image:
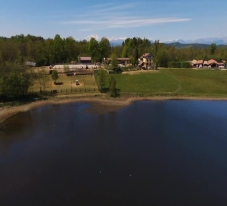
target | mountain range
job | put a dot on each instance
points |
(218, 41)
(202, 41)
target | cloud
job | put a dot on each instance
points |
(104, 8)
(119, 23)
(93, 36)
(110, 16)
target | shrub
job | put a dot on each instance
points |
(185, 65)
(174, 64)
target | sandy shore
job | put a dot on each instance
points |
(99, 105)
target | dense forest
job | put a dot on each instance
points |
(20, 49)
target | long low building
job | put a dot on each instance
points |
(210, 63)
(73, 68)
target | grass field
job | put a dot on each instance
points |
(174, 82)
(164, 82)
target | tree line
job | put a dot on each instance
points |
(43, 52)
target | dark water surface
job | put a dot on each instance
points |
(150, 153)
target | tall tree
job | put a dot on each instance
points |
(54, 75)
(114, 63)
(156, 47)
(101, 79)
(59, 50)
(213, 48)
(104, 48)
(93, 47)
(161, 59)
(71, 49)
(112, 86)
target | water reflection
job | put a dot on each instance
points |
(12, 126)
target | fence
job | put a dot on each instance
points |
(67, 91)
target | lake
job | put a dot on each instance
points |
(149, 153)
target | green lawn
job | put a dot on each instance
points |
(183, 82)
(146, 83)
(199, 82)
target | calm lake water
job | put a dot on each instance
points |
(149, 153)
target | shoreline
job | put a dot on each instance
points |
(111, 105)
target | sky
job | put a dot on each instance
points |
(163, 20)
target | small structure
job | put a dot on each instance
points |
(221, 65)
(193, 62)
(212, 63)
(85, 60)
(77, 82)
(205, 64)
(199, 63)
(30, 63)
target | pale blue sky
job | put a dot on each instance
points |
(154, 19)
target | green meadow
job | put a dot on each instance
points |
(174, 82)
(163, 82)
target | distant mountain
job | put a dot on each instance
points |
(116, 41)
(180, 43)
(218, 41)
(183, 45)
(201, 46)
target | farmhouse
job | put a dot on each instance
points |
(146, 61)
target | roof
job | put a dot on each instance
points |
(194, 61)
(199, 62)
(212, 61)
(145, 55)
(85, 58)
